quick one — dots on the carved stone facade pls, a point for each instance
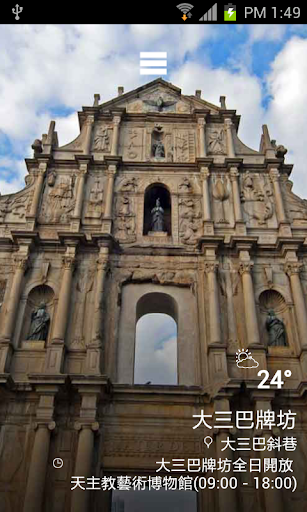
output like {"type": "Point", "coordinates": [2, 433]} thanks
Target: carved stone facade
{"type": "Point", "coordinates": [78, 255]}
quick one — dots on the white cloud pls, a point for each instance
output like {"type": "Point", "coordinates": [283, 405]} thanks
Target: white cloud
{"type": "Point", "coordinates": [266, 32]}
{"type": "Point", "coordinates": [242, 91]}
{"type": "Point", "coordinates": [286, 115]}
{"type": "Point", "coordinates": [156, 350]}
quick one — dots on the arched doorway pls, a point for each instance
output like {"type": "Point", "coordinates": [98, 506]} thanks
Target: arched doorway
{"type": "Point", "coordinates": [152, 193]}
{"type": "Point", "coordinates": [155, 360]}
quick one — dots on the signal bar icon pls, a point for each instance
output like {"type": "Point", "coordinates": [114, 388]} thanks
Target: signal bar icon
{"type": "Point", "coordinates": [210, 15]}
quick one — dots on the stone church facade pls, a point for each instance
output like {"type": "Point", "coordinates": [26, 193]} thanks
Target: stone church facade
{"type": "Point", "coordinates": [81, 260]}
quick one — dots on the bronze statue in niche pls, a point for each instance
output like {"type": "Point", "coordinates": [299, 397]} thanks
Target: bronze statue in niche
{"type": "Point", "coordinates": [40, 321]}
{"type": "Point", "coordinates": [157, 217]}
{"type": "Point", "coordinates": [276, 329]}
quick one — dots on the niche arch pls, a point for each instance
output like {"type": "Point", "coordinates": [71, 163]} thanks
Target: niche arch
{"type": "Point", "coordinates": [152, 193]}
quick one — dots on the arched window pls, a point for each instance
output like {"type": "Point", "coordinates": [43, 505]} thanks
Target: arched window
{"type": "Point", "coordinates": [155, 359]}
{"type": "Point", "coordinates": [154, 192]}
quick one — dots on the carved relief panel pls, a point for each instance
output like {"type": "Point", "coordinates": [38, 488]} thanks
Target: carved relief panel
{"type": "Point", "coordinates": [124, 223]}
{"type": "Point", "coordinates": [221, 203]}
{"type": "Point", "coordinates": [257, 199]}
{"type": "Point", "coordinates": [15, 207]}
{"type": "Point", "coordinates": [132, 142]}
{"type": "Point", "coordinates": [102, 139]}
{"type": "Point", "coordinates": [94, 200]}
{"type": "Point", "coordinates": [190, 220]}
{"type": "Point", "coordinates": [184, 145]}
{"type": "Point", "coordinates": [216, 140]}
{"type": "Point", "coordinates": [58, 199]}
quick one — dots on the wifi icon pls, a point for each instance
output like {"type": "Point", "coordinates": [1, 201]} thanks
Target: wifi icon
{"type": "Point", "coordinates": [185, 8]}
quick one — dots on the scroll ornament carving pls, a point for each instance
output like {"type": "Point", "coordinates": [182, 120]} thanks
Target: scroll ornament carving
{"type": "Point", "coordinates": [211, 267]}
{"type": "Point", "coordinates": [21, 263]}
{"type": "Point", "coordinates": [18, 206]}
{"type": "Point", "coordinates": [190, 223]}
{"type": "Point", "coordinates": [245, 267]}
{"type": "Point", "coordinates": [293, 268]}
{"type": "Point", "coordinates": [69, 263]}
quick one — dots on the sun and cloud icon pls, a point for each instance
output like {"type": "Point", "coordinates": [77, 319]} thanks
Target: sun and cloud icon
{"type": "Point", "coordinates": [244, 359]}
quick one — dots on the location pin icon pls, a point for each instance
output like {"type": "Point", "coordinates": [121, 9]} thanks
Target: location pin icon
{"type": "Point", "coordinates": [208, 441]}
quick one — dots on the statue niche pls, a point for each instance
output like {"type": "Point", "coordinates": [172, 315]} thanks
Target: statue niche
{"type": "Point", "coordinates": [38, 313]}
{"type": "Point", "coordinates": [157, 210]}
{"type": "Point", "coordinates": [157, 143]}
{"type": "Point", "coordinates": [274, 311]}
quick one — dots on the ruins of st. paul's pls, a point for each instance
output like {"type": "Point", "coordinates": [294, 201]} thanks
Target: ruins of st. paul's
{"type": "Point", "coordinates": [156, 207]}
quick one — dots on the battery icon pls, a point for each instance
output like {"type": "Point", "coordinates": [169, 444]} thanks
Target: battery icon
{"type": "Point", "coordinates": [230, 12]}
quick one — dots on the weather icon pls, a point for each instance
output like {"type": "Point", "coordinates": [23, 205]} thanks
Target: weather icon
{"type": "Point", "coordinates": [244, 359]}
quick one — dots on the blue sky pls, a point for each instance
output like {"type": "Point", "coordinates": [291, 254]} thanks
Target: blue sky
{"type": "Point", "coordinates": [51, 71]}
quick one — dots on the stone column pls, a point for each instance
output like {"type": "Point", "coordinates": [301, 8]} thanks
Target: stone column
{"type": "Point", "coordinates": [80, 192]}
{"type": "Point", "coordinates": [252, 329]}
{"type": "Point", "coordinates": [230, 144]}
{"type": "Point", "coordinates": [201, 123]}
{"type": "Point", "coordinates": [9, 316]}
{"type": "Point", "coordinates": [87, 426]}
{"type": "Point", "coordinates": [80, 500]}
{"type": "Point", "coordinates": [109, 194]}
{"type": "Point", "coordinates": [205, 174]}
{"type": "Point", "coordinates": [61, 319]}
{"type": "Point", "coordinates": [293, 270]}
{"type": "Point", "coordinates": [227, 497]}
{"type": "Point", "coordinates": [38, 468]}
{"type": "Point", "coordinates": [115, 139]}
{"type": "Point", "coordinates": [88, 136]}
{"type": "Point", "coordinates": [94, 353]}
{"type": "Point", "coordinates": [214, 306]}
{"type": "Point", "coordinates": [102, 263]}
{"type": "Point", "coordinates": [281, 216]}
{"type": "Point", "coordinates": [229, 281]}
{"type": "Point", "coordinates": [272, 497]}
{"type": "Point", "coordinates": [40, 452]}
{"type": "Point", "coordinates": [38, 188]}
{"type": "Point", "coordinates": [234, 175]}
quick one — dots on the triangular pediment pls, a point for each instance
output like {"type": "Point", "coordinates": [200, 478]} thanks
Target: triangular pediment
{"type": "Point", "coordinates": [158, 96]}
